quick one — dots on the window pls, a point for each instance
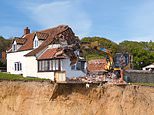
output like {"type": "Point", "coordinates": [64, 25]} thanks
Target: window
{"type": "Point", "coordinates": [14, 46]}
{"type": "Point", "coordinates": [17, 66]}
{"type": "Point", "coordinates": [49, 65]}
{"type": "Point", "coordinates": [78, 66]}
{"type": "Point", "coordinates": [35, 42]}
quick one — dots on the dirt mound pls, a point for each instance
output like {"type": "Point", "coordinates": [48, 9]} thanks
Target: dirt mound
{"type": "Point", "coordinates": [34, 98]}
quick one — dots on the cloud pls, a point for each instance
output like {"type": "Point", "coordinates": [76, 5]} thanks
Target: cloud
{"type": "Point", "coordinates": [61, 12]}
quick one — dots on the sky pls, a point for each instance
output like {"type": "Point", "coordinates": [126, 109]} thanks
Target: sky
{"type": "Point", "coordinates": [117, 20]}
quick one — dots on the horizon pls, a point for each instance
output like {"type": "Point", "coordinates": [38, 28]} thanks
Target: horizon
{"type": "Point", "coordinates": [114, 20]}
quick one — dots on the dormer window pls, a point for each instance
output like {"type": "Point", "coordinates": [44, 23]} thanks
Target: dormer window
{"type": "Point", "coordinates": [35, 42]}
{"type": "Point", "coordinates": [14, 46]}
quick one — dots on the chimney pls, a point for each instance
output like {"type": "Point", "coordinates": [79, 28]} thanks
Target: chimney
{"type": "Point", "coordinates": [26, 30]}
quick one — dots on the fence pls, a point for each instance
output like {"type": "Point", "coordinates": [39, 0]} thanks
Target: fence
{"type": "Point", "coordinates": [3, 69]}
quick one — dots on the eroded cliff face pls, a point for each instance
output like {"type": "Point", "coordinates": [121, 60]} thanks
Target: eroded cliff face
{"type": "Point", "coordinates": [34, 98]}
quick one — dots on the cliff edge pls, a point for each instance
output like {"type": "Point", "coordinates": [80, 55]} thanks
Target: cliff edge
{"type": "Point", "coordinates": [36, 98]}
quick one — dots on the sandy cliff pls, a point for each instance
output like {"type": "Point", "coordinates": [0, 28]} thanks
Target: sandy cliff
{"type": "Point", "coordinates": [34, 98]}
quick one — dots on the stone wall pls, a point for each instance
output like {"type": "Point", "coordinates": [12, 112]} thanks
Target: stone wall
{"type": "Point", "coordinates": [140, 76]}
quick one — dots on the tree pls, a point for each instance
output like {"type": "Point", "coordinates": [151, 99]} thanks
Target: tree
{"type": "Point", "coordinates": [91, 53]}
{"type": "Point", "coordinates": [4, 43]}
{"type": "Point", "coordinates": [142, 52]}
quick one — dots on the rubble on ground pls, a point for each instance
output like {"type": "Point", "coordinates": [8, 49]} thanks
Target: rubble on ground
{"type": "Point", "coordinates": [98, 78]}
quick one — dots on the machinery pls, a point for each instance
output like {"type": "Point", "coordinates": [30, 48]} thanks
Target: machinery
{"type": "Point", "coordinates": [118, 62]}
{"type": "Point", "coordinates": [122, 61]}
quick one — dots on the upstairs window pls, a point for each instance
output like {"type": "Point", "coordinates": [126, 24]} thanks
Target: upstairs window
{"type": "Point", "coordinates": [35, 42]}
{"type": "Point", "coordinates": [14, 46]}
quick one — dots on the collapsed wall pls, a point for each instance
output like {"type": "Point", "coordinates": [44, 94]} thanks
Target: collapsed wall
{"type": "Point", "coordinates": [35, 98]}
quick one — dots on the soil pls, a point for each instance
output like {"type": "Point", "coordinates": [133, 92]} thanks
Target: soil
{"type": "Point", "coordinates": [37, 98]}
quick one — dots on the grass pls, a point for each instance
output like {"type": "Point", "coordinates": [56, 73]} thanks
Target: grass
{"type": "Point", "coordinates": [143, 84]}
{"type": "Point", "coordinates": [13, 77]}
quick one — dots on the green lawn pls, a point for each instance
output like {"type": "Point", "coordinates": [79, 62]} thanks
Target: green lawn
{"type": "Point", "coordinates": [12, 77]}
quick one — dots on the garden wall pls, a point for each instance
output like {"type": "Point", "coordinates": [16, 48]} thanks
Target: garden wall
{"type": "Point", "coordinates": [140, 76]}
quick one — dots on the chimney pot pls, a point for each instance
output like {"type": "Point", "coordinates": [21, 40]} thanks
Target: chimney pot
{"type": "Point", "coordinates": [26, 30]}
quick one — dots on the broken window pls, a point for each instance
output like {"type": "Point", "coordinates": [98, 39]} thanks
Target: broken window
{"type": "Point", "coordinates": [80, 65]}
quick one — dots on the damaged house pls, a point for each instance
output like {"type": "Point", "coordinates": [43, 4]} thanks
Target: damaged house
{"type": "Point", "coordinates": [52, 53]}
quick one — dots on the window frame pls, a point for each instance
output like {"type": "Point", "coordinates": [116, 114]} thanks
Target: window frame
{"type": "Point", "coordinates": [49, 65]}
{"type": "Point", "coordinates": [17, 66]}
{"type": "Point", "coordinates": [35, 42]}
{"type": "Point", "coordinates": [14, 46]}
{"type": "Point", "coordinates": [79, 66]}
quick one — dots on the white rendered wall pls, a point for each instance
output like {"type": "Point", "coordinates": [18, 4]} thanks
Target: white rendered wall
{"type": "Point", "coordinates": [31, 69]}
{"type": "Point", "coordinates": [15, 57]}
{"type": "Point", "coordinates": [46, 75]}
{"type": "Point", "coordinates": [71, 73]}
{"type": "Point", "coordinates": [30, 66]}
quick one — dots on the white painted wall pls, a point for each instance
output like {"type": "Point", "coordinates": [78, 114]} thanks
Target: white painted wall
{"type": "Point", "coordinates": [71, 73]}
{"type": "Point", "coordinates": [15, 57]}
{"type": "Point", "coordinates": [40, 42]}
{"type": "Point", "coordinates": [30, 66]}
{"type": "Point", "coordinates": [31, 69]}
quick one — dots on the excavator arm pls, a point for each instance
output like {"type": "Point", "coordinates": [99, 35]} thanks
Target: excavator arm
{"type": "Point", "coordinates": [95, 45]}
{"type": "Point", "coordinates": [110, 61]}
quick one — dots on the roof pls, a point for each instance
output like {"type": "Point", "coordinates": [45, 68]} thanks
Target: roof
{"type": "Point", "coordinates": [42, 36]}
{"type": "Point", "coordinates": [47, 36]}
{"type": "Point", "coordinates": [96, 65]}
{"type": "Point", "coordinates": [19, 40]}
{"type": "Point", "coordinates": [51, 53]}
{"type": "Point", "coordinates": [149, 66]}
{"type": "Point", "coordinates": [51, 35]}
{"type": "Point", "coordinates": [29, 42]}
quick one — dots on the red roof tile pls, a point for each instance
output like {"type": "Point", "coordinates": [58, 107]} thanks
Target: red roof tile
{"type": "Point", "coordinates": [42, 36]}
{"type": "Point", "coordinates": [20, 40]}
{"type": "Point", "coordinates": [48, 54]}
{"type": "Point", "coordinates": [96, 65]}
{"type": "Point", "coordinates": [52, 33]}
{"type": "Point", "coordinates": [29, 42]}
{"type": "Point", "coordinates": [47, 35]}
{"type": "Point", "coordinates": [51, 53]}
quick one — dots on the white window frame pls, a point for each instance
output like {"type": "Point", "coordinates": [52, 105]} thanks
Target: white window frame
{"type": "Point", "coordinates": [49, 65]}
{"type": "Point", "coordinates": [14, 46]}
{"type": "Point", "coordinates": [35, 42]}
